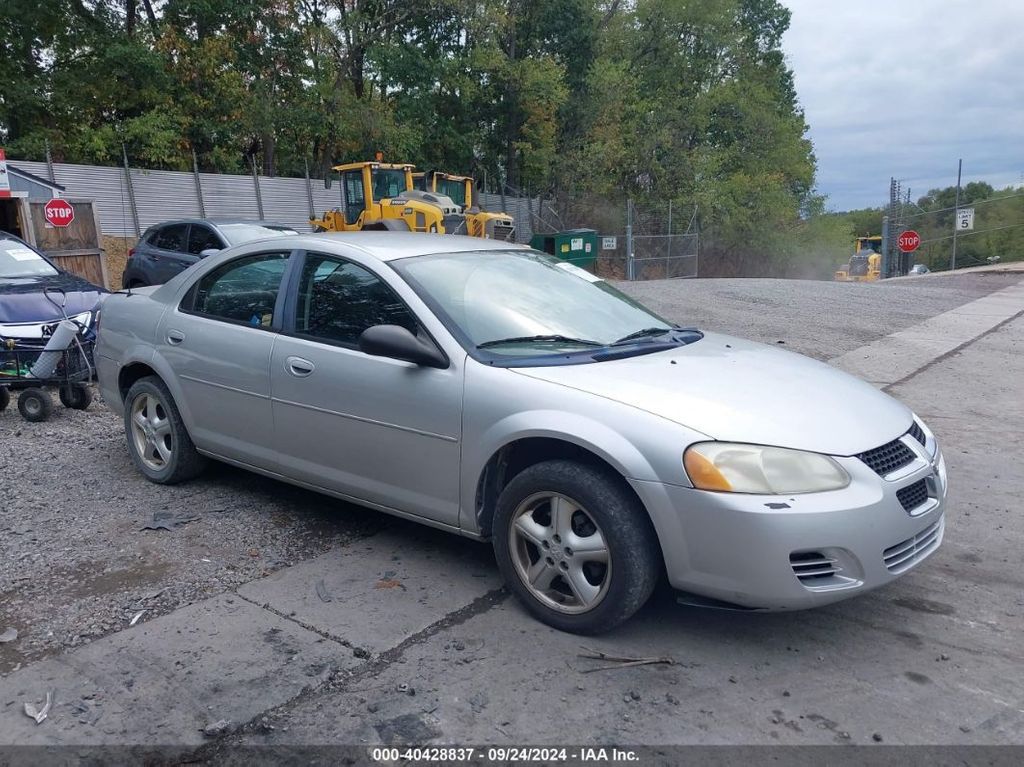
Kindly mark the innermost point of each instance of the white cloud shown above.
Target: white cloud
(906, 87)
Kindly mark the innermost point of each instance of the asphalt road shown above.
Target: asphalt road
(293, 619)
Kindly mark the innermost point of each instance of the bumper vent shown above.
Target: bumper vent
(887, 458)
(812, 567)
(908, 553)
(913, 495)
(917, 433)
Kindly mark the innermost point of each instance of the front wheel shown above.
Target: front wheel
(35, 404)
(575, 546)
(157, 439)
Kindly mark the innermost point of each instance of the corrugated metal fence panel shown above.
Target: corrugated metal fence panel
(228, 196)
(517, 207)
(285, 201)
(326, 199)
(104, 185)
(162, 194)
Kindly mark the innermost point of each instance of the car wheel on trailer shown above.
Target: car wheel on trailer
(5, 398)
(35, 404)
(77, 396)
(575, 546)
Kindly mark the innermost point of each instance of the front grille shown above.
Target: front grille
(811, 567)
(888, 458)
(913, 495)
(917, 433)
(503, 230)
(908, 553)
(455, 223)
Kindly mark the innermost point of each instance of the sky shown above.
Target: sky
(905, 88)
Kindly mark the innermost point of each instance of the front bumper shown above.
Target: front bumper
(794, 552)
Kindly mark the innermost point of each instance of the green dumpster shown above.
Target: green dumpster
(577, 246)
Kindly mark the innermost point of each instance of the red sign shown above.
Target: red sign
(909, 241)
(59, 212)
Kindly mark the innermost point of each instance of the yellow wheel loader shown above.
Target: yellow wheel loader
(380, 196)
(462, 190)
(865, 264)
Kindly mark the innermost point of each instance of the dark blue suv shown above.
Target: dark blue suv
(166, 249)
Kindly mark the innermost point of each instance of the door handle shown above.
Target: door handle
(175, 337)
(299, 367)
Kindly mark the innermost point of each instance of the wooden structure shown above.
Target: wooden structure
(74, 248)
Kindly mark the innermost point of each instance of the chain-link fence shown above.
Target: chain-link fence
(655, 244)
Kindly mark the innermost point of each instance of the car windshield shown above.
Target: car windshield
(19, 260)
(526, 303)
(236, 234)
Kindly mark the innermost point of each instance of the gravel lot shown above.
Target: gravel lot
(76, 563)
(820, 319)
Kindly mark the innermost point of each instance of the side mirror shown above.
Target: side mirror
(398, 343)
(209, 252)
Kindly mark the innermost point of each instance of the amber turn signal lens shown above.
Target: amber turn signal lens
(703, 473)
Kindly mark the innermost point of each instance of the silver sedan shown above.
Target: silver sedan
(496, 392)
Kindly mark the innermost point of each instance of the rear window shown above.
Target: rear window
(19, 260)
(239, 233)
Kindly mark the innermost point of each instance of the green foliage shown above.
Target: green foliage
(582, 100)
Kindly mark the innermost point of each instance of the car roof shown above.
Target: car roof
(222, 221)
(390, 246)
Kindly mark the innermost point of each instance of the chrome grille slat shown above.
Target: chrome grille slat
(813, 566)
(906, 553)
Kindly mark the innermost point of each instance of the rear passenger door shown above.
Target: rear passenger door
(170, 255)
(218, 343)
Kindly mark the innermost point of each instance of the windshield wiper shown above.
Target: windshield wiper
(538, 339)
(646, 332)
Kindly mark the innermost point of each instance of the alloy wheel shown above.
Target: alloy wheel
(560, 553)
(151, 432)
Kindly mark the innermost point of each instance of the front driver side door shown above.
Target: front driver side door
(376, 429)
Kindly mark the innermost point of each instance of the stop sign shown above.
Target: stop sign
(909, 241)
(59, 212)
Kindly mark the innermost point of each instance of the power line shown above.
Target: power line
(973, 204)
(968, 234)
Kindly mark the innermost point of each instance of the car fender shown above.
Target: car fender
(584, 432)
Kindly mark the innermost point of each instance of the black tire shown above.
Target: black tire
(632, 545)
(5, 398)
(184, 461)
(76, 396)
(35, 404)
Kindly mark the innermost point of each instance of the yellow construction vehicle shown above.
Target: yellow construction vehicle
(865, 264)
(462, 190)
(380, 196)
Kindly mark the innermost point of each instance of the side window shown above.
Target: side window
(172, 237)
(338, 300)
(243, 291)
(355, 199)
(202, 238)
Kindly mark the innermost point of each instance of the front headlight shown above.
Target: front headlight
(734, 468)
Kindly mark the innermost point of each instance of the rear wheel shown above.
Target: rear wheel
(575, 546)
(35, 404)
(157, 439)
(76, 396)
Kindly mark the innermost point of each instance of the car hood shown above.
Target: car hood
(740, 391)
(22, 298)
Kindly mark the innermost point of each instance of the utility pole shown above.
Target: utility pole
(956, 212)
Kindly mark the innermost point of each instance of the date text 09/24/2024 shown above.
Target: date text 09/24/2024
(502, 754)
